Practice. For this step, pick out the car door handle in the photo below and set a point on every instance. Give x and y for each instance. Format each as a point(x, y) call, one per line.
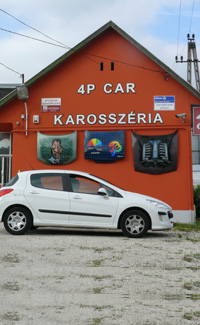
point(34, 192)
point(77, 197)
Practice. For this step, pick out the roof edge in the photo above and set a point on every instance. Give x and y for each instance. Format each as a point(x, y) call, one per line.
point(85, 42)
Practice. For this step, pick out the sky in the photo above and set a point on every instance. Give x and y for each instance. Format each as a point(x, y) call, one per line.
point(161, 26)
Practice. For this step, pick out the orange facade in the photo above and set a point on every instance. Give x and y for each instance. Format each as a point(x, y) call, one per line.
point(97, 97)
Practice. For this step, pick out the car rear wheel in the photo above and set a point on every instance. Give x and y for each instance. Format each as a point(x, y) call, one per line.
point(17, 221)
point(135, 224)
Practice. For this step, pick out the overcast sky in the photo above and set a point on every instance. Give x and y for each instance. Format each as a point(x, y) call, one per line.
point(161, 26)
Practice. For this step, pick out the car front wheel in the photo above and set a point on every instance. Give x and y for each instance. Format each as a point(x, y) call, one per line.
point(17, 221)
point(135, 224)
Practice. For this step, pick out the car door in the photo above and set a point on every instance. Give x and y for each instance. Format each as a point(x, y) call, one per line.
point(88, 208)
point(46, 193)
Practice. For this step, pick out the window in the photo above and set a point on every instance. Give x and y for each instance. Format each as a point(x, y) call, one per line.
point(48, 181)
point(5, 157)
point(195, 149)
point(88, 186)
point(13, 181)
point(84, 185)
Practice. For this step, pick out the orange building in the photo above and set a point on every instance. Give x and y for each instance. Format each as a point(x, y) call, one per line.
point(117, 111)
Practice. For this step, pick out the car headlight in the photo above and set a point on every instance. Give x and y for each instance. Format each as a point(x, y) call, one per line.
point(158, 204)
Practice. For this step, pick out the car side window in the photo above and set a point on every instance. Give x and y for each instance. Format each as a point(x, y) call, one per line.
point(84, 185)
point(48, 181)
point(88, 186)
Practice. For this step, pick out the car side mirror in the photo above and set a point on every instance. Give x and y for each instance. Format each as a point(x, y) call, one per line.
point(102, 192)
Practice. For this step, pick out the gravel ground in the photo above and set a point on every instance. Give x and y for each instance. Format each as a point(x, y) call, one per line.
point(66, 276)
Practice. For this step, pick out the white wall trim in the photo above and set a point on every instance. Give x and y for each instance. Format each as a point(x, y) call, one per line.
point(184, 216)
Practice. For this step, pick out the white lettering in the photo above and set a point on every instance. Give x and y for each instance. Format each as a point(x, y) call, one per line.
point(141, 117)
point(157, 118)
point(93, 117)
point(119, 88)
point(198, 126)
point(81, 90)
point(69, 120)
point(102, 119)
point(112, 119)
point(90, 87)
point(131, 118)
point(80, 118)
point(107, 91)
point(57, 120)
point(149, 118)
point(121, 119)
point(130, 87)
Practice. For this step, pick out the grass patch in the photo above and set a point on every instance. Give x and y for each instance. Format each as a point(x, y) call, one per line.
point(188, 227)
point(193, 296)
point(11, 316)
point(97, 320)
point(187, 316)
point(10, 286)
point(187, 286)
point(197, 284)
point(97, 290)
point(10, 258)
point(96, 263)
point(187, 258)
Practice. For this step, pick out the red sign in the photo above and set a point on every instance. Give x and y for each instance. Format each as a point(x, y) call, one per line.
point(196, 120)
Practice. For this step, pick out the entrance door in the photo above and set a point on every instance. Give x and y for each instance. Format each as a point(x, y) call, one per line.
point(5, 169)
point(5, 157)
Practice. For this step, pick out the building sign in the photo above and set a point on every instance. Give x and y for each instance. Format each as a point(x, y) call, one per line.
point(164, 103)
point(112, 119)
point(196, 120)
point(51, 105)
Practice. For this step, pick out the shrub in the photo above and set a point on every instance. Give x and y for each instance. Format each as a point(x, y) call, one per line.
point(196, 192)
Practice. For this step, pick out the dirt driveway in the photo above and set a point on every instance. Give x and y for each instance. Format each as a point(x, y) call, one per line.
point(51, 277)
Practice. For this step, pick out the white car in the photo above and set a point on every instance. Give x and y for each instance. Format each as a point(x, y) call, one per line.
point(66, 198)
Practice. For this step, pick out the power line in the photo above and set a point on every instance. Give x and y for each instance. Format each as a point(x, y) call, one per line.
point(36, 39)
point(34, 28)
point(65, 46)
point(191, 16)
point(10, 69)
point(84, 53)
point(179, 23)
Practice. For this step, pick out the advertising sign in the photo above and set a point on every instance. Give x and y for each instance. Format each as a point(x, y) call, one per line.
point(196, 120)
point(164, 103)
point(51, 104)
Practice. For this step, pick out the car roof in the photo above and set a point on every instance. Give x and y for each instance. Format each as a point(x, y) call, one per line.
point(53, 171)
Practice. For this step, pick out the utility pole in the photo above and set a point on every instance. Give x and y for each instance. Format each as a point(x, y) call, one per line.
point(191, 58)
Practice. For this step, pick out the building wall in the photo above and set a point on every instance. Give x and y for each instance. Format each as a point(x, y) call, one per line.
point(132, 67)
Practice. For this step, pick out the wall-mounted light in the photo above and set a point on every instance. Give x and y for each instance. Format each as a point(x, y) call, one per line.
point(22, 94)
point(183, 116)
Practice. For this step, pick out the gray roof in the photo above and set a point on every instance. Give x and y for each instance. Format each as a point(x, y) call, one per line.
point(5, 89)
point(89, 39)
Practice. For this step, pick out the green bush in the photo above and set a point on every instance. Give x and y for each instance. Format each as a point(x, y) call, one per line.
point(196, 192)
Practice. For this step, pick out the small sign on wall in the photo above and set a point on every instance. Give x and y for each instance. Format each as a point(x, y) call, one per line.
point(164, 103)
point(50, 105)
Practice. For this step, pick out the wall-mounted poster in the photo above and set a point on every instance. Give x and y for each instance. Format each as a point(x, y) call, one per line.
point(104, 146)
point(56, 150)
point(155, 154)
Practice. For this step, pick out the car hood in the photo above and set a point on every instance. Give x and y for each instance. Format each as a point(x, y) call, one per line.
point(133, 196)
